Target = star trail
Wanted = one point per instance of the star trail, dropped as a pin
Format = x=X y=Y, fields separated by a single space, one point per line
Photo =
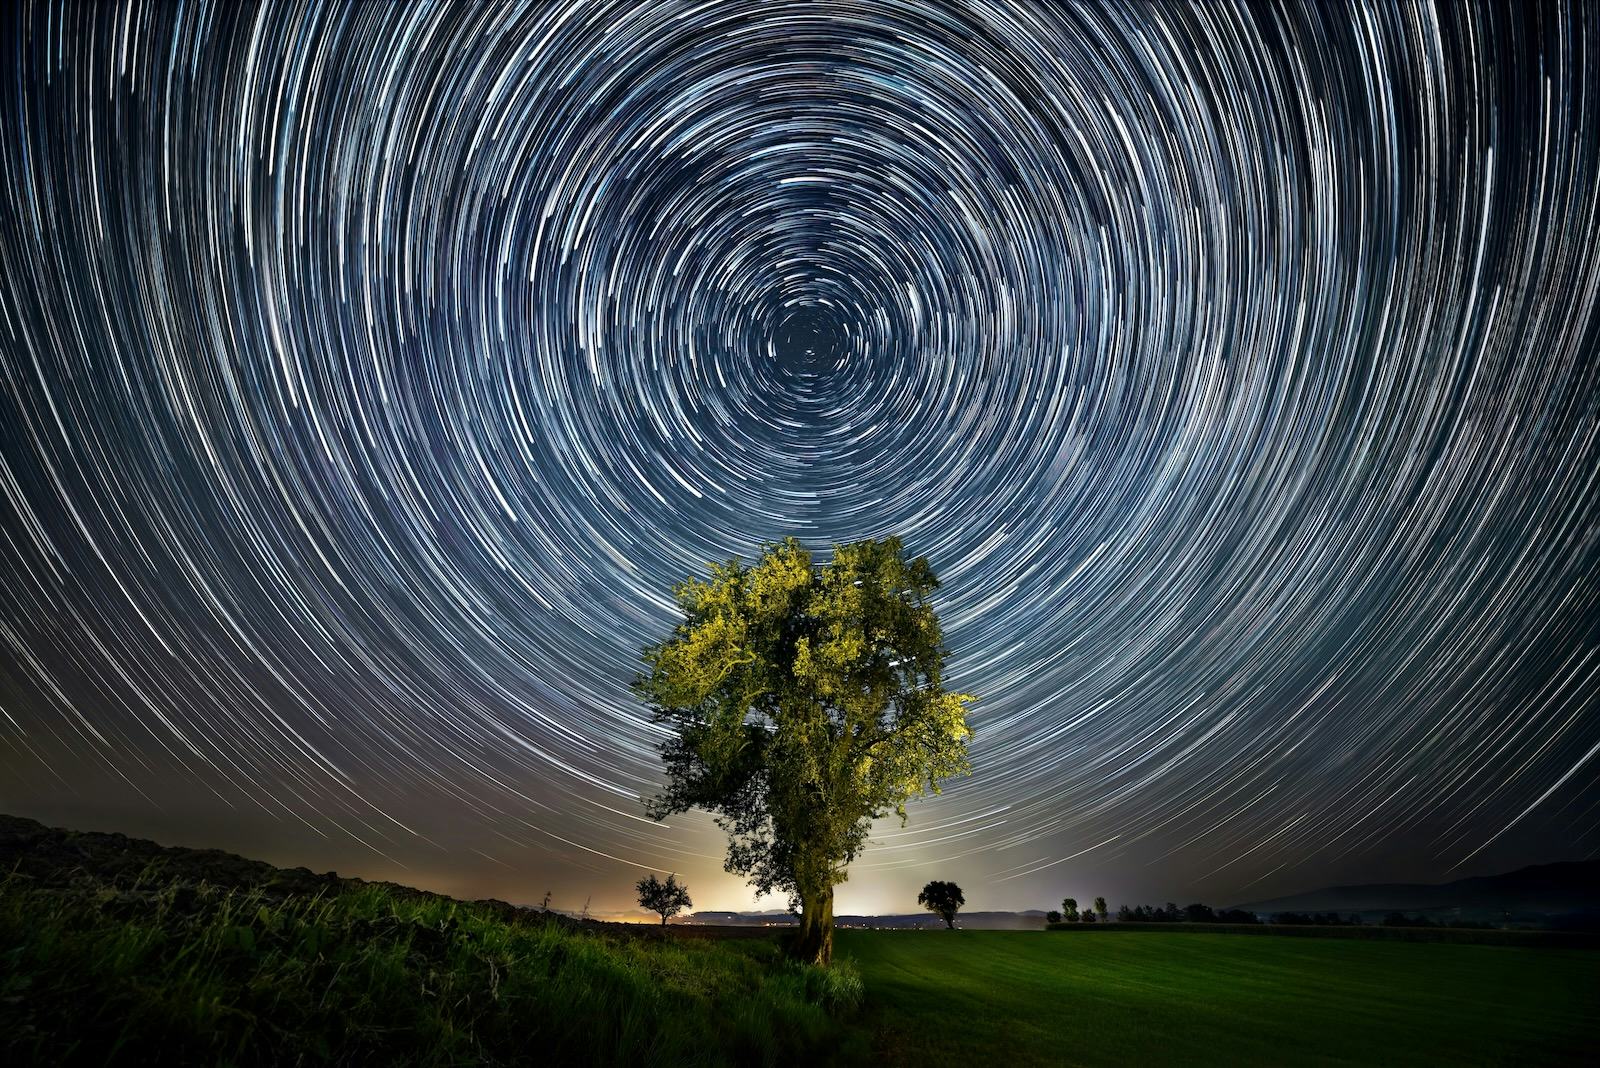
x=372 y=371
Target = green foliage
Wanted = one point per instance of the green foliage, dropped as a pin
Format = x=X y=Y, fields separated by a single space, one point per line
x=944 y=899
x=838 y=989
x=1100 y=907
x=1069 y=909
x=804 y=702
x=1020 y=998
x=666 y=899
x=183 y=974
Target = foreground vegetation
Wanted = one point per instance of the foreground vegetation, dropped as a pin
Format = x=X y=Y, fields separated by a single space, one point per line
x=1021 y=998
x=116 y=950
x=182 y=973
x=177 y=973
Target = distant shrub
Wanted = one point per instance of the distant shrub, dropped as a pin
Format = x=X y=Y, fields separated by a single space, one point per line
x=1400 y=919
x=1236 y=916
x=1171 y=913
x=1322 y=919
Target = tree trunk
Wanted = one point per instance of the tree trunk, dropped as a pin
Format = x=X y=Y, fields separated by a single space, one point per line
x=663 y=921
x=813 y=943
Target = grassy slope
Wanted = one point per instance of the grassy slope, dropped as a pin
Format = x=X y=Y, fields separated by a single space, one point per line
x=1017 y=998
x=110 y=944
x=177 y=973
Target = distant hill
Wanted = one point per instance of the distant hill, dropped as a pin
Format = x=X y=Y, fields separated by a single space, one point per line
x=1031 y=920
x=1540 y=891
x=90 y=862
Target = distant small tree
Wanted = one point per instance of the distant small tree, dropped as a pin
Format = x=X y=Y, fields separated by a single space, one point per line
x=1100 y=908
x=1052 y=917
x=1069 y=909
x=1198 y=913
x=1088 y=916
x=1125 y=914
x=545 y=904
x=943 y=899
x=665 y=898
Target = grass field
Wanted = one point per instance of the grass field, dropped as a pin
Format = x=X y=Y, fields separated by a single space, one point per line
x=196 y=974
x=1021 y=998
x=118 y=950
x=174 y=973
x=115 y=950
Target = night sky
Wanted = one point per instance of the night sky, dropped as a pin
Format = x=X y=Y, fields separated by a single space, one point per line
x=371 y=373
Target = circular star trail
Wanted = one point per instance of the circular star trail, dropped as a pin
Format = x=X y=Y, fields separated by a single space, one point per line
x=372 y=371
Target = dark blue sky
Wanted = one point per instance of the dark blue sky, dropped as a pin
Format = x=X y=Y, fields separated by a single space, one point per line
x=371 y=374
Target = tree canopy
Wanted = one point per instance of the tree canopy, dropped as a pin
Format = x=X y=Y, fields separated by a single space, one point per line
x=803 y=702
x=664 y=898
x=943 y=899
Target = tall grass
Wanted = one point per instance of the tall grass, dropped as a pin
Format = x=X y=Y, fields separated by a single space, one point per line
x=183 y=973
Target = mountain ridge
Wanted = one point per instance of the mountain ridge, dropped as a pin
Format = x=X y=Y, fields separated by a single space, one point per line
x=1561 y=888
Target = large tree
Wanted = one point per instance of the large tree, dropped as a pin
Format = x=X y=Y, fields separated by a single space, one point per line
x=804 y=702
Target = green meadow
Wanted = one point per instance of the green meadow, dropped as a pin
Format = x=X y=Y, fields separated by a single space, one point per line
x=1112 y=998
x=117 y=951
x=185 y=974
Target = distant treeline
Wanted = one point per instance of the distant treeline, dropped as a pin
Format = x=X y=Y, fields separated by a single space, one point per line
x=1400 y=919
x=1171 y=913
x=1371 y=932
